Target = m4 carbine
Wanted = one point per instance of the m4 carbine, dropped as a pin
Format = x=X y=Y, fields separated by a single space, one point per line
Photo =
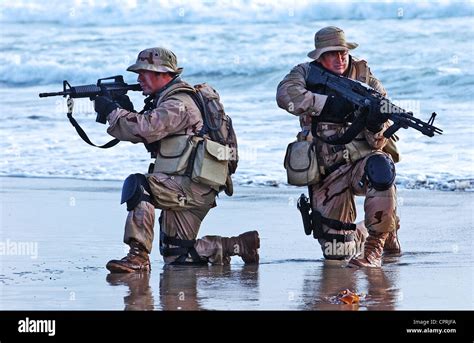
x=367 y=102
x=113 y=87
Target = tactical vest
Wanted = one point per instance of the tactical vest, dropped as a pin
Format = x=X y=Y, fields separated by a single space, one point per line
x=208 y=156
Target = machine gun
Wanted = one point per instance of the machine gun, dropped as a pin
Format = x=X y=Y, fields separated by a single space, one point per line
x=115 y=88
x=367 y=102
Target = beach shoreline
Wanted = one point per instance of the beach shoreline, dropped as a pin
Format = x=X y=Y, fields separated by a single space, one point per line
x=58 y=234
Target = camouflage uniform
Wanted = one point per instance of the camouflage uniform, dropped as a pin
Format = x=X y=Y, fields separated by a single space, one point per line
x=333 y=197
x=184 y=203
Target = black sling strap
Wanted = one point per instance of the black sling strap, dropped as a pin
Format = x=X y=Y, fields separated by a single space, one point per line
x=82 y=133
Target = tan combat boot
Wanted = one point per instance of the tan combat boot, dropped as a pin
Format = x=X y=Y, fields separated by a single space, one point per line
x=137 y=260
x=373 y=248
x=245 y=245
x=392 y=244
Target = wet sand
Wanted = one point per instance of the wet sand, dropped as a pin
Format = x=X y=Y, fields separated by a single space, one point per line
x=58 y=234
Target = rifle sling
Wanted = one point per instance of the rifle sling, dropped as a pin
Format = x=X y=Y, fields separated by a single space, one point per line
x=82 y=133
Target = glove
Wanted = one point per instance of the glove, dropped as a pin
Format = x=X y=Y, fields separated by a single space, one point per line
x=124 y=102
x=104 y=105
x=375 y=120
x=336 y=109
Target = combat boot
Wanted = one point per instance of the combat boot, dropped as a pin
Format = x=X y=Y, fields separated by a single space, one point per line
x=137 y=260
x=245 y=245
x=392 y=244
x=373 y=249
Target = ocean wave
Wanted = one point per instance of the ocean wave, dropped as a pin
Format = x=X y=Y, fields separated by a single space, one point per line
x=21 y=70
x=30 y=72
x=123 y=12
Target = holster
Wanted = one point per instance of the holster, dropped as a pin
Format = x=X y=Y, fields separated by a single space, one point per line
x=304 y=207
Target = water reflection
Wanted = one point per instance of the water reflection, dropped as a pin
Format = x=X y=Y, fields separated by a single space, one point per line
x=140 y=295
x=376 y=285
x=185 y=288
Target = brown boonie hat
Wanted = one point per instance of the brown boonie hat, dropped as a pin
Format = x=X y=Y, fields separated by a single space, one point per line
x=159 y=60
x=330 y=38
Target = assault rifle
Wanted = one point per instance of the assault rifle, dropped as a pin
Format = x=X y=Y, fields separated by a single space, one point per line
x=367 y=102
x=113 y=87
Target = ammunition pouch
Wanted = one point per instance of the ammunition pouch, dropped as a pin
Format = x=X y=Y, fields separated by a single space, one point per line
x=173 y=154
x=211 y=163
x=301 y=164
x=203 y=160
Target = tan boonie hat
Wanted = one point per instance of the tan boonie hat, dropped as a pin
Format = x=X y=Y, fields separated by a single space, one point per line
x=159 y=60
x=330 y=38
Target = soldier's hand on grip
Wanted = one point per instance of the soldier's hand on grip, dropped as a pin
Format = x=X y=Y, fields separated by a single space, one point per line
x=124 y=102
x=103 y=105
x=375 y=119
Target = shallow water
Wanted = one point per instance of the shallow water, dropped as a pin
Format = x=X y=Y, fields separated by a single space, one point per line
x=77 y=226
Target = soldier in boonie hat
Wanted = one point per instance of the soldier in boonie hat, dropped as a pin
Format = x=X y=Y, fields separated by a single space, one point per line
x=330 y=38
x=170 y=124
x=159 y=60
x=323 y=112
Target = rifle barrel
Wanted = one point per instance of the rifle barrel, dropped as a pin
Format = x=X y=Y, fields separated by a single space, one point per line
x=44 y=95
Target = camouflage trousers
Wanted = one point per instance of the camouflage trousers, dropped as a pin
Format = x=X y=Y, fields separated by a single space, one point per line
x=184 y=205
x=334 y=199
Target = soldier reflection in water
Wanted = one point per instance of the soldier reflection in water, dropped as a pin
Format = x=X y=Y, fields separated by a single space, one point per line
x=320 y=289
x=178 y=286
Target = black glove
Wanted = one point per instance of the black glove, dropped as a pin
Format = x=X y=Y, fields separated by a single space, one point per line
x=104 y=105
x=375 y=119
x=124 y=102
x=336 y=109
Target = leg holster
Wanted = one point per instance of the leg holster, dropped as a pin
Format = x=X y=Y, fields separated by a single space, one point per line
x=313 y=222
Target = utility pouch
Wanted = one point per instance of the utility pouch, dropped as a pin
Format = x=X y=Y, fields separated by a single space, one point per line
x=173 y=154
x=210 y=165
x=301 y=164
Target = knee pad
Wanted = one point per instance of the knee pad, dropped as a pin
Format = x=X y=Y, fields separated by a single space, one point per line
x=380 y=171
x=133 y=191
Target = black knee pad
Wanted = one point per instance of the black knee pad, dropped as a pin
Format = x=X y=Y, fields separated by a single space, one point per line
x=133 y=190
x=380 y=171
